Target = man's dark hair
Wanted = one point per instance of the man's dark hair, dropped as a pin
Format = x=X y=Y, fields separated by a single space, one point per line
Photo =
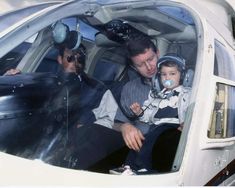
x=138 y=44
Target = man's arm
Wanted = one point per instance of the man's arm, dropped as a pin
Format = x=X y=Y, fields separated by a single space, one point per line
x=12 y=72
x=131 y=135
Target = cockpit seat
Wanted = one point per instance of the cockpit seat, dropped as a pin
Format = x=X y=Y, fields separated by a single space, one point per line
x=188 y=78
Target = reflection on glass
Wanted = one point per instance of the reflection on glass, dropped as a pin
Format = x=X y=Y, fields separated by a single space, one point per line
x=222 y=120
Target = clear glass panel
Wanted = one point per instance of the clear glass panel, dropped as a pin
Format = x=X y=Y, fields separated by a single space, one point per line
x=42 y=114
x=13 y=17
x=12 y=59
x=223 y=117
x=87 y=31
x=179 y=13
x=48 y=116
x=224 y=65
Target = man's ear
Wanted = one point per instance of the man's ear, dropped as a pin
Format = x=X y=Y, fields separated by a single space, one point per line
x=59 y=59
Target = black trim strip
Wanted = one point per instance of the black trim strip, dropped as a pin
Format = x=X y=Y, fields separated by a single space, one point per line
x=224 y=174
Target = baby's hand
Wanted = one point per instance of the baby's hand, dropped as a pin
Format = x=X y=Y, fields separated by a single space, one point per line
x=136 y=108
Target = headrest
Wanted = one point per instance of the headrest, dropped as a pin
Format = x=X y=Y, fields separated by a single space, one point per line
x=60 y=32
x=188 y=78
x=63 y=36
x=102 y=41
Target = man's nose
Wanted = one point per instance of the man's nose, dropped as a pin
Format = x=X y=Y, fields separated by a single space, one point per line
x=148 y=66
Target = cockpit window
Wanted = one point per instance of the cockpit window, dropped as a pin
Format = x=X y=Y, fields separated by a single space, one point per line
x=87 y=31
x=42 y=107
x=222 y=119
x=13 y=58
x=13 y=17
x=179 y=13
x=224 y=63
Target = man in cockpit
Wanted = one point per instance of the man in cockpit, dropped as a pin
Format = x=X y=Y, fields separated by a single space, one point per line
x=85 y=93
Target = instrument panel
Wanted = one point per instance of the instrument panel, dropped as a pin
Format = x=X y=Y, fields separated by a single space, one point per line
x=119 y=31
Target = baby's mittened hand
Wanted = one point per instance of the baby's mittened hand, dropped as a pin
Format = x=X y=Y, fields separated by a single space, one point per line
x=136 y=108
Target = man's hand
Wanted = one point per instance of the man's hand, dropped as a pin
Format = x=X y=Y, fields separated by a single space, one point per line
x=12 y=72
x=132 y=136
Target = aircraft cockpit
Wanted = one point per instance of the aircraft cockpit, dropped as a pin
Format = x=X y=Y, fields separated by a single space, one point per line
x=48 y=115
x=104 y=35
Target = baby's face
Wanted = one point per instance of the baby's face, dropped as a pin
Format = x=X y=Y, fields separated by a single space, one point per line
x=170 y=77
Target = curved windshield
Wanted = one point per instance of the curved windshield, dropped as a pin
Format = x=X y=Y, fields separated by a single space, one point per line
x=61 y=106
x=8 y=19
